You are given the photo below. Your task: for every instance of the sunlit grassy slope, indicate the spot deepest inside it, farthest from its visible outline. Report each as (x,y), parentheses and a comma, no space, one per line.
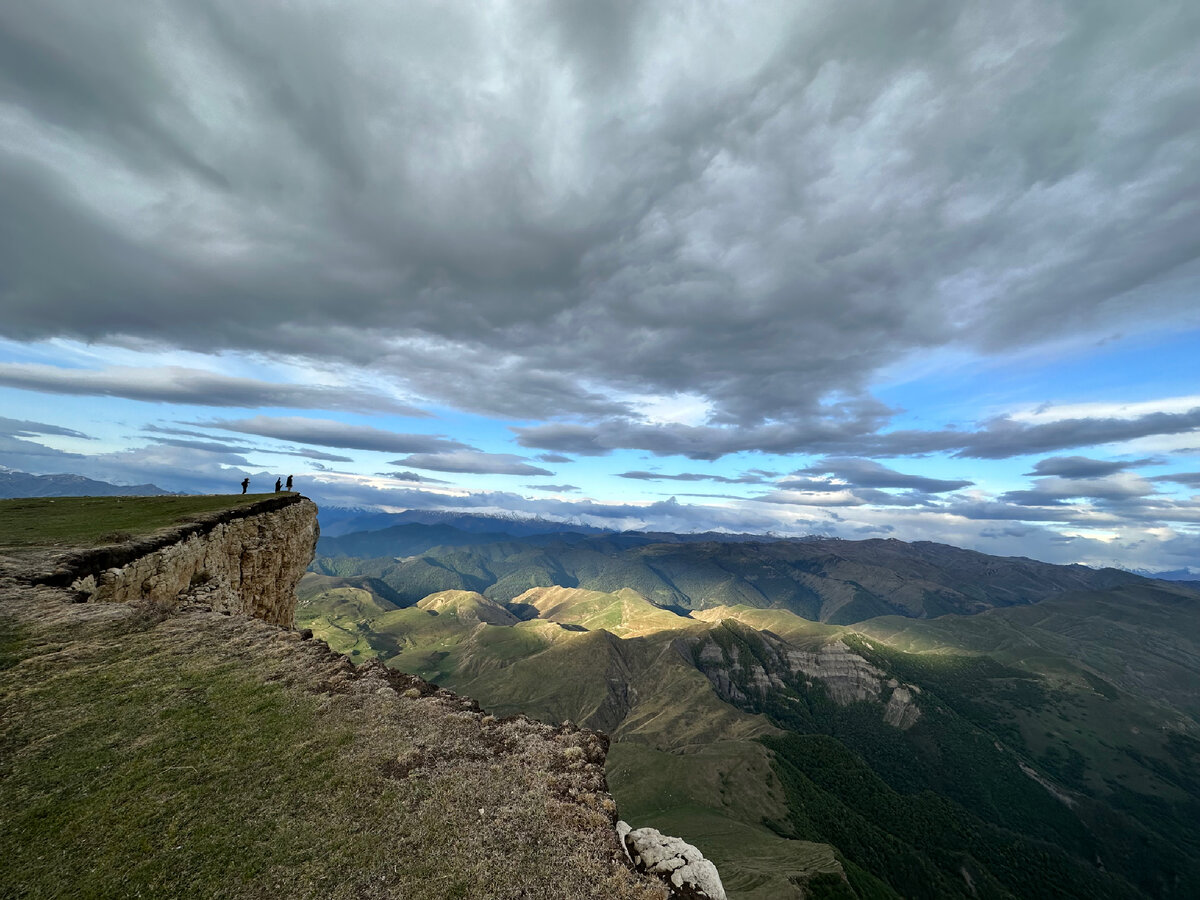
(1041,751)
(669,729)
(839,582)
(1143,639)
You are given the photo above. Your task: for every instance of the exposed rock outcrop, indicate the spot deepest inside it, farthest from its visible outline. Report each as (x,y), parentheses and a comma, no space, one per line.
(741,662)
(685,870)
(246,560)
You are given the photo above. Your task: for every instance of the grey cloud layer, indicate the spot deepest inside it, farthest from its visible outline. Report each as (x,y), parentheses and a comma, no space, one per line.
(330,433)
(24,428)
(1084,467)
(855,432)
(1188,479)
(472,461)
(870,474)
(548,209)
(748,478)
(175,384)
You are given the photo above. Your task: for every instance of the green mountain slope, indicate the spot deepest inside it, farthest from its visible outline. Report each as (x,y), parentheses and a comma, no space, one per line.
(833,581)
(1043,746)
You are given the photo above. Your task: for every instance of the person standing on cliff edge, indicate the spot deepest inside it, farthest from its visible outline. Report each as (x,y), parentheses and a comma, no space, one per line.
(245,484)
(289,483)
(278,485)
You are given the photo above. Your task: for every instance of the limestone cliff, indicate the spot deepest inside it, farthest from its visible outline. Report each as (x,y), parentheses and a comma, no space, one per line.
(740,661)
(245,560)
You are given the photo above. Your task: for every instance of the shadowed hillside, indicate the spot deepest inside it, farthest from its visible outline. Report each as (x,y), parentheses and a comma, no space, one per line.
(1000,751)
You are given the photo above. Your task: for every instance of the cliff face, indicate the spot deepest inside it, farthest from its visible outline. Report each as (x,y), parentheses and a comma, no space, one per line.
(246,561)
(740,662)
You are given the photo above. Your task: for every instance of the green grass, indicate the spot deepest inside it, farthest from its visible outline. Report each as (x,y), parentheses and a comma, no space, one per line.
(197,757)
(716,797)
(131,769)
(625,613)
(91,521)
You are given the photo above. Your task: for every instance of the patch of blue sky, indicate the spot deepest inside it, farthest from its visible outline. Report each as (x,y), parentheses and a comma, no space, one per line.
(1118,370)
(107,420)
(53,352)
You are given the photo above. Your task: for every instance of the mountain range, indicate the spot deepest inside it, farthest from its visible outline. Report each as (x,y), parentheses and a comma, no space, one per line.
(15,484)
(822,717)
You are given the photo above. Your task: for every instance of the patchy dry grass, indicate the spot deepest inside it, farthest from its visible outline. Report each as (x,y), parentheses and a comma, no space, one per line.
(199,755)
(89,521)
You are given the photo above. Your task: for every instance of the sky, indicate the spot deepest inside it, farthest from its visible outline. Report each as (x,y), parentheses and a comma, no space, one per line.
(913,269)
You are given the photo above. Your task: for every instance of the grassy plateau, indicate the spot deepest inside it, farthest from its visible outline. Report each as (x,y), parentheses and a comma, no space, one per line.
(92,521)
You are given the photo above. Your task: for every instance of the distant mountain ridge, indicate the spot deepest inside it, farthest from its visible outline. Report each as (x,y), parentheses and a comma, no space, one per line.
(14,484)
(1042,749)
(825,580)
(339,521)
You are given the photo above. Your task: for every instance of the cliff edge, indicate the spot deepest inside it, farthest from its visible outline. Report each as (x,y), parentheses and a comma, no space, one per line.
(245,559)
(180,740)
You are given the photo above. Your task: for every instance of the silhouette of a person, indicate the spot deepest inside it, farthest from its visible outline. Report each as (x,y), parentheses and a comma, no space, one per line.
(245,484)
(278,485)
(289,482)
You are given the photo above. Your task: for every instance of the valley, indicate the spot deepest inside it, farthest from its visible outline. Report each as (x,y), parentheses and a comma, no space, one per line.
(822,718)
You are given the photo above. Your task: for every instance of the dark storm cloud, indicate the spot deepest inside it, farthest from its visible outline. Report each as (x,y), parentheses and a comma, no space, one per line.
(553,208)
(870,474)
(1084,467)
(328,433)
(175,384)
(693,476)
(475,462)
(23,428)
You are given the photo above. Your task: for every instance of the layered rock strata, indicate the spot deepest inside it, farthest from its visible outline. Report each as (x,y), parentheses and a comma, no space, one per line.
(770,664)
(246,560)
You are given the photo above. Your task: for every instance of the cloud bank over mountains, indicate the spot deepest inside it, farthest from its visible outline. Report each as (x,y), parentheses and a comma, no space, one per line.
(553,231)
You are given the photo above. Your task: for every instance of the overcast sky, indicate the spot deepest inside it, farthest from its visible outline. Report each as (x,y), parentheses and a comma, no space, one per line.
(918,269)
